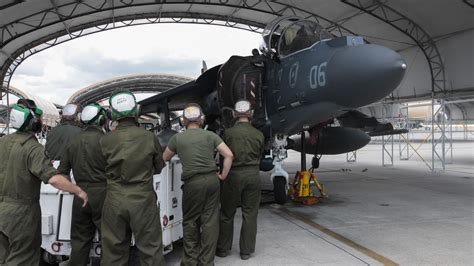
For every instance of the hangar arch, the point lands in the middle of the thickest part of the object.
(142, 83)
(50, 110)
(50, 24)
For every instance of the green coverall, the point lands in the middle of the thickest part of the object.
(23, 166)
(242, 186)
(59, 138)
(196, 149)
(133, 155)
(84, 156)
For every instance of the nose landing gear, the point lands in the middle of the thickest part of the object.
(279, 176)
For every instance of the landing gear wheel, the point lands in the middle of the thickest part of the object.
(280, 190)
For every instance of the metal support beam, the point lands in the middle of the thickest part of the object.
(450, 141)
(459, 101)
(387, 141)
(465, 130)
(60, 17)
(387, 150)
(438, 135)
(77, 9)
(8, 112)
(351, 157)
(403, 141)
(5, 100)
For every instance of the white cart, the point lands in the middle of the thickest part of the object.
(56, 209)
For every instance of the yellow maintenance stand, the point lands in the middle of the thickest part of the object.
(301, 188)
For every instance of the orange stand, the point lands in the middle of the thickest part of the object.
(301, 191)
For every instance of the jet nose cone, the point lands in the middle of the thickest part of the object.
(364, 74)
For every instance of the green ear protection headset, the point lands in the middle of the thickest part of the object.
(33, 119)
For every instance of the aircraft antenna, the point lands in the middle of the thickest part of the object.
(204, 67)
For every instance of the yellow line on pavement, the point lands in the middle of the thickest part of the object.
(374, 255)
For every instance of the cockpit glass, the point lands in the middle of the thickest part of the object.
(289, 35)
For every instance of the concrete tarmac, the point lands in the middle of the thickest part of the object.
(402, 214)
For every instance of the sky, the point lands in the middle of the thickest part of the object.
(56, 73)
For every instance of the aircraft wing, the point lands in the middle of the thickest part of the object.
(178, 97)
(370, 125)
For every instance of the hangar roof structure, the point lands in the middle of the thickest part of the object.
(50, 110)
(136, 83)
(435, 37)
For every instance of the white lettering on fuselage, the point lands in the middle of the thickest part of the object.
(317, 76)
(293, 74)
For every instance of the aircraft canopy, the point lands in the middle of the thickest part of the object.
(285, 36)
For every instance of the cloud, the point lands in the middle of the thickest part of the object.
(116, 67)
(58, 72)
(30, 70)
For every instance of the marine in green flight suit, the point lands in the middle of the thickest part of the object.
(23, 166)
(84, 157)
(62, 135)
(196, 149)
(242, 186)
(133, 155)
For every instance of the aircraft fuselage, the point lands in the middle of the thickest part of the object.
(321, 82)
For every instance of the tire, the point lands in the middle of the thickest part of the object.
(279, 189)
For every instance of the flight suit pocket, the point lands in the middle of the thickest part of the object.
(148, 202)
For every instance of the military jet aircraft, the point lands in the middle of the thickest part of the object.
(303, 80)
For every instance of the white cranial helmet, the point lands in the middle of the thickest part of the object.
(18, 116)
(123, 104)
(192, 112)
(89, 113)
(93, 114)
(242, 107)
(70, 109)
